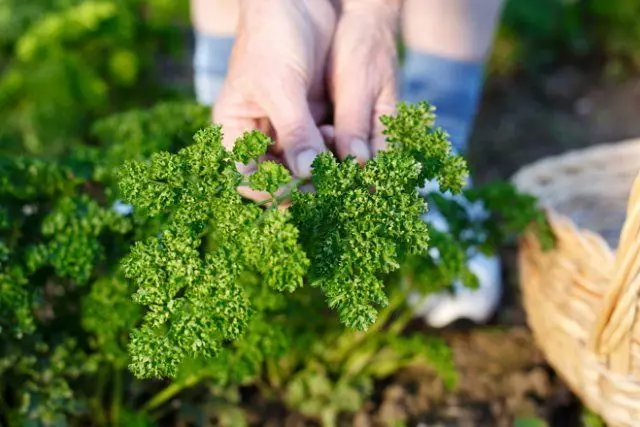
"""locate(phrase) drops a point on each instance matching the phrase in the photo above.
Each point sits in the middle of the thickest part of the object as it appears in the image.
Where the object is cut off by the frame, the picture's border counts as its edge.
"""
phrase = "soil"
(526, 118)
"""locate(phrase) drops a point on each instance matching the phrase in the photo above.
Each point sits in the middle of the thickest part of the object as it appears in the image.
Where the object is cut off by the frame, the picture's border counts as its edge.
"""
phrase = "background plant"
(66, 62)
(541, 34)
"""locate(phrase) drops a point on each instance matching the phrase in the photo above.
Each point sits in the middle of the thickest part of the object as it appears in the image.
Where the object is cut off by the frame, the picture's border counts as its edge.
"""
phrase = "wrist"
(390, 5)
(256, 10)
(387, 11)
(251, 4)
(219, 17)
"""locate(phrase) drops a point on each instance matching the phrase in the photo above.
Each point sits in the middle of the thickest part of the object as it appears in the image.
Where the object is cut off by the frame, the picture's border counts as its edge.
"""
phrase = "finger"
(261, 196)
(232, 129)
(296, 131)
(251, 194)
(353, 109)
(236, 116)
(385, 105)
(234, 120)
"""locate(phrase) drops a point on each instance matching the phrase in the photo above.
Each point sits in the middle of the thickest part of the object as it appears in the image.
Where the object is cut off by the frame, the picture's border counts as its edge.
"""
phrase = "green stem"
(397, 299)
(357, 361)
(4, 407)
(275, 201)
(116, 401)
(329, 418)
(274, 374)
(349, 340)
(170, 391)
(265, 202)
(97, 400)
(398, 325)
(265, 388)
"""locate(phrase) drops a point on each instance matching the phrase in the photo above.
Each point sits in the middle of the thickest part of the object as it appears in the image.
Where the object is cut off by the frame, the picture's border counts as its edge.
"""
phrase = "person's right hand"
(363, 75)
(276, 81)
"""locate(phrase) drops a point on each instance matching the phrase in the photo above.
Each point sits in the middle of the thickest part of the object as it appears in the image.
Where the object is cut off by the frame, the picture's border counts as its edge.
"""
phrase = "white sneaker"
(478, 305)
(121, 208)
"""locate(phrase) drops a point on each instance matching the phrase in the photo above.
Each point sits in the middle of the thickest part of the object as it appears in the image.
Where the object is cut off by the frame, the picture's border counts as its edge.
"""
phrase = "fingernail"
(360, 150)
(304, 161)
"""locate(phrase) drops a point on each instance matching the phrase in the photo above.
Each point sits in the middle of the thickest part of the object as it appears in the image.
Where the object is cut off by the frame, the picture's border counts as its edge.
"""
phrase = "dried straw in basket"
(582, 297)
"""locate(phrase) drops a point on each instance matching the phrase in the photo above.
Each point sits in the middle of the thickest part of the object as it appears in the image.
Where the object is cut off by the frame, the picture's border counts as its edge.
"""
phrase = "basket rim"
(596, 154)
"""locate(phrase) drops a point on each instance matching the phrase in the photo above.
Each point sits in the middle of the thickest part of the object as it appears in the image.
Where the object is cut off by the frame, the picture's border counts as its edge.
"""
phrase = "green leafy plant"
(530, 422)
(589, 418)
(557, 31)
(66, 62)
(355, 227)
(307, 305)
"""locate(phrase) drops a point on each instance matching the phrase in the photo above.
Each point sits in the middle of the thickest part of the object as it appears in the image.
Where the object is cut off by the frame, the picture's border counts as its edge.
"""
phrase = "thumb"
(296, 131)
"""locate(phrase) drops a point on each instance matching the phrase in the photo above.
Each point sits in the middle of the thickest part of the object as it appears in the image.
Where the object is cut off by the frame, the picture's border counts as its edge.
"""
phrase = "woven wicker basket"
(581, 298)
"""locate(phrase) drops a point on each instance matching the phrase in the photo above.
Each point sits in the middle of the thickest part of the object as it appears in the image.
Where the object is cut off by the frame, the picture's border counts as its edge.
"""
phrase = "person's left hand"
(276, 81)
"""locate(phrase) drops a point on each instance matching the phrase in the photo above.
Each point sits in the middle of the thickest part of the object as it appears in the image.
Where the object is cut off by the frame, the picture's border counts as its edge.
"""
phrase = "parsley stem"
(401, 322)
(170, 391)
(275, 201)
(96, 401)
(400, 297)
(397, 299)
(273, 374)
(350, 340)
(287, 190)
(116, 402)
(4, 407)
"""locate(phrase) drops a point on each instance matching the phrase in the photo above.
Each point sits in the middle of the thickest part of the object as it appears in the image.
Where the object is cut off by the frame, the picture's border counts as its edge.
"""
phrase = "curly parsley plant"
(342, 238)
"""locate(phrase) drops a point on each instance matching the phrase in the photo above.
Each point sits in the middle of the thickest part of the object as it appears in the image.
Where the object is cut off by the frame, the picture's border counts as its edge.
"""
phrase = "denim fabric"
(210, 64)
(452, 86)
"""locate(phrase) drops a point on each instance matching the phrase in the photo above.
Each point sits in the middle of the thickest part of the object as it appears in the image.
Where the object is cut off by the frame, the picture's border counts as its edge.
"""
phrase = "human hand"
(362, 74)
(276, 80)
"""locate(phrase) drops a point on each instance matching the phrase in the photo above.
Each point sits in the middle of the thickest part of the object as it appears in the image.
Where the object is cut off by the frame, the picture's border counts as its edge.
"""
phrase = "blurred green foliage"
(65, 63)
(543, 33)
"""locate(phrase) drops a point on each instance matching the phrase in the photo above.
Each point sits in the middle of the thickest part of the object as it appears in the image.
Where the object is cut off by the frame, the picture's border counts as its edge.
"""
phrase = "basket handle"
(612, 330)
